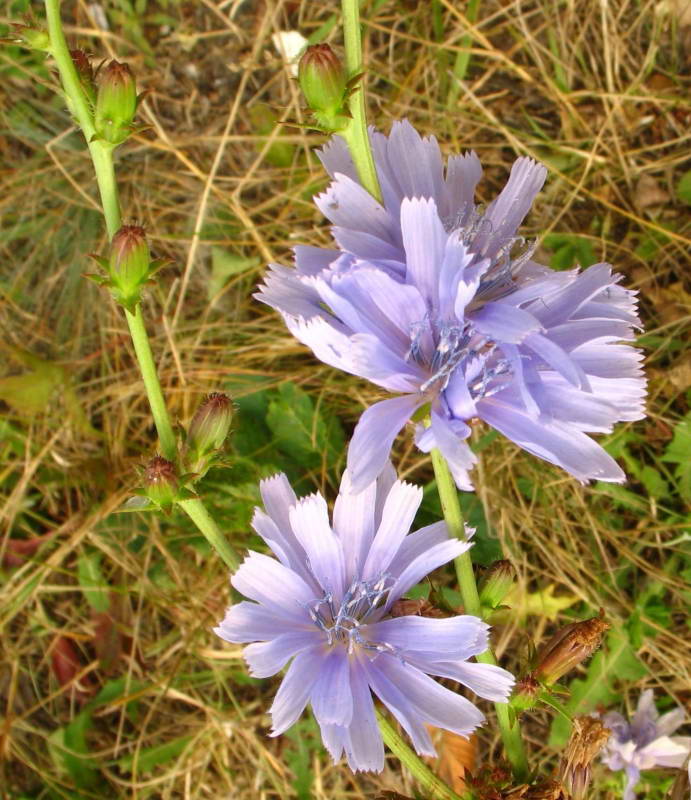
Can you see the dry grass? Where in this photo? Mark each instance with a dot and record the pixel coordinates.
(597, 90)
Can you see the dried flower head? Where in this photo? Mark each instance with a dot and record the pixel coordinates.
(587, 738)
(569, 647)
(326, 604)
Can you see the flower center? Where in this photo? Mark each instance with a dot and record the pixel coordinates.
(442, 347)
(342, 622)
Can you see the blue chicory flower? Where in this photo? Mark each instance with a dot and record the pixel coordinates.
(426, 298)
(326, 603)
(645, 742)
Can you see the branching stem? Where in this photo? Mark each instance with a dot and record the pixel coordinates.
(102, 157)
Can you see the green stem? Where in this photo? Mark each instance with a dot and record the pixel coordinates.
(434, 788)
(102, 157)
(80, 107)
(355, 134)
(453, 515)
(147, 367)
(197, 512)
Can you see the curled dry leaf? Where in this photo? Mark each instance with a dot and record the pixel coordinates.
(66, 664)
(457, 757)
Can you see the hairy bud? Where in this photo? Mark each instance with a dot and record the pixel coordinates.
(116, 103)
(526, 694)
(129, 263)
(323, 82)
(33, 38)
(211, 423)
(497, 583)
(568, 648)
(161, 482)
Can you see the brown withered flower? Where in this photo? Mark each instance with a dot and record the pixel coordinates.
(588, 737)
(569, 647)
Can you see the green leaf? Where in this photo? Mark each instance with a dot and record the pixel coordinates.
(617, 661)
(94, 585)
(684, 188)
(677, 452)
(69, 751)
(569, 250)
(654, 483)
(309, 436)
(150, 757)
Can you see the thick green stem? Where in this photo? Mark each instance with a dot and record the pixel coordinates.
(355, 134)
(102, 157)
(145, 357)
(433, 788)
(453, 515)
(197, 512)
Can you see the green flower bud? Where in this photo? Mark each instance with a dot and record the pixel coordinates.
(116, 103)
(526, 694)
(497, 583)
(161, 482)
(129, 265)
(210, 425)
(569, 647)
(323, 82)
(27, 36)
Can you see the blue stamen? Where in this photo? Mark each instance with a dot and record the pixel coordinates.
(342, 625)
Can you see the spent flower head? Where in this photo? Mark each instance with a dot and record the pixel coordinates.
(645, 742)
(325, 606)
(569, 647)
(441, 303)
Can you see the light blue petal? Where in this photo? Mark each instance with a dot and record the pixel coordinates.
(267, 658)
(309, 519)
(331, 696)
(373, 436)
(295, 689)
(400, 508)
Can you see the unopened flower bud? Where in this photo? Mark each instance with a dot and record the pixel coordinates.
(161, 482)
(129, 262)
(497, 583)
(211, 423)
(116, 103)
(568, 648)
(85, 72)
(526, 694)
(28, 36)
(588, 737)
(323, 82)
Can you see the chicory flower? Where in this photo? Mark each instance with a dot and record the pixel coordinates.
(645, 742)
(326, 606)
(426, 298)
